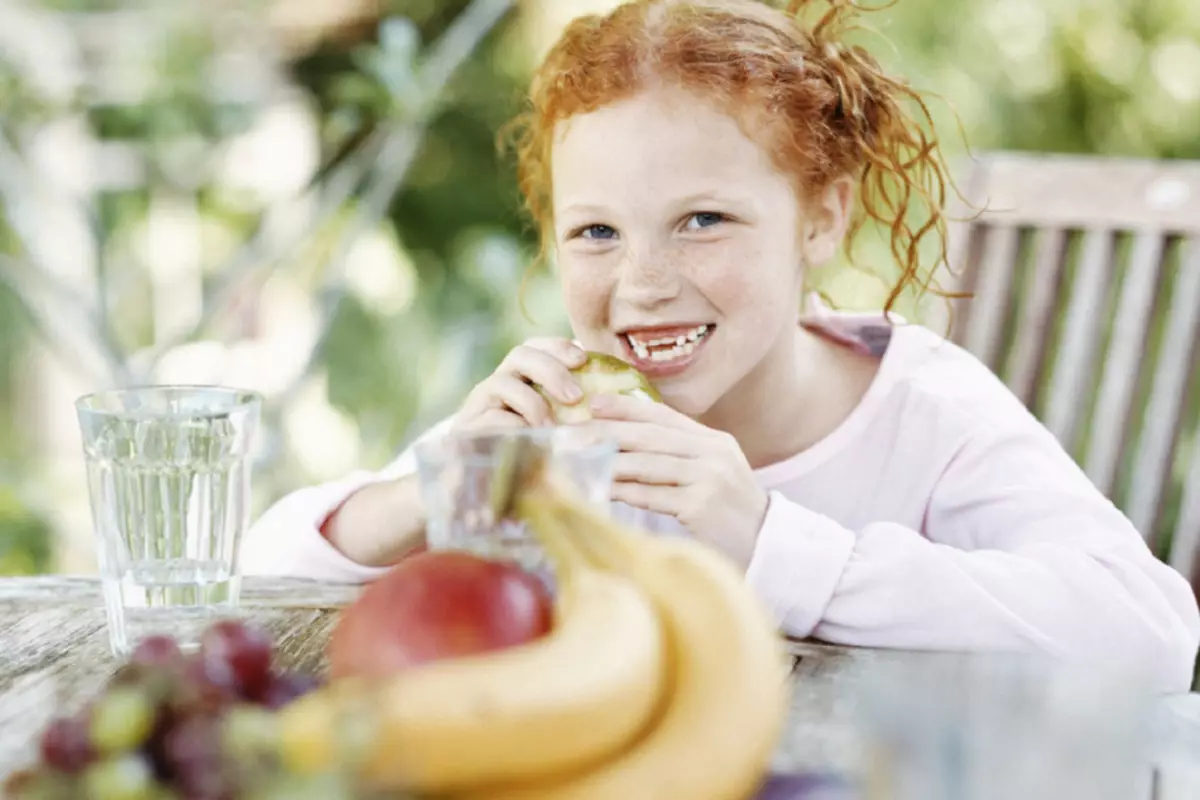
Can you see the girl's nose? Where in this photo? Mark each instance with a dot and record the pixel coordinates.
(648, 280)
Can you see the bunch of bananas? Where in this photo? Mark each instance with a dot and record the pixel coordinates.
(663, 678)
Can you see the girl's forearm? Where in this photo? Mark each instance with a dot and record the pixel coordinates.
(379, 524)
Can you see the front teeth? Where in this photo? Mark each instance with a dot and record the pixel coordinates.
(680, 345)
(673, 353)
(679, 341)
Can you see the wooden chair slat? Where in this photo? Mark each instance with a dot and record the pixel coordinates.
(1163, 413)
(992, 292)
(1075, 358)
(964, 242)
(962, 279)
(1123, 360)
(1084, 192)
(1186, 540)
(1035, 314)
(961, 225)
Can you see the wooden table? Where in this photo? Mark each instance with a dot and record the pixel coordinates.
(54, 653)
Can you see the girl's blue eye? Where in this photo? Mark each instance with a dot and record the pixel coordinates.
(705, 219)
(597, 232)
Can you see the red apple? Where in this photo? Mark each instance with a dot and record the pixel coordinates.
(437, 605)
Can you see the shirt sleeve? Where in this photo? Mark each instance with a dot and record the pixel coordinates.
(1019, 552)
(287, 540)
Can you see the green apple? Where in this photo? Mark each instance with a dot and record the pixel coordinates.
(601, 374)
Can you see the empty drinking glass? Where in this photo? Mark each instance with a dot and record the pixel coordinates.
(459, 473)
(169, 484)
(997, 727)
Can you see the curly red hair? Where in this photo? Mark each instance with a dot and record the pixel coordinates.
(821, 108)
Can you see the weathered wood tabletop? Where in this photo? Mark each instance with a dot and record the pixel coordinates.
(54, 654)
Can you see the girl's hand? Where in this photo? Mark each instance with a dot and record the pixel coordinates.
(671, 464)
(506, 398)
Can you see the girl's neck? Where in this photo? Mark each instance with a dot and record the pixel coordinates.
(797, 395)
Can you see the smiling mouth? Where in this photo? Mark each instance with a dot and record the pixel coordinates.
(656, 348)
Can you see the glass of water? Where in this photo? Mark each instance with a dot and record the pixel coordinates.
(169, 484)
(459, 472)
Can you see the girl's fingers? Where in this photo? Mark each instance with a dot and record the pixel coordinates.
(639, 409)
(494, 419)
(649, 437)
(537, 366)
(648, 497)
(652, 468)
(510, 393)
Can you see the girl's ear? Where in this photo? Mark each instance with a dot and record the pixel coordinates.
(827, 219)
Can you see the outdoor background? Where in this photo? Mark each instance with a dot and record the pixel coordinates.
(303, 197)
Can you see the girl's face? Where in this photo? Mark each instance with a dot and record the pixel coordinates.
(680, 245)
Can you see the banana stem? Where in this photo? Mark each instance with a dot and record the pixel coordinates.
(503, 478)
(519, 463)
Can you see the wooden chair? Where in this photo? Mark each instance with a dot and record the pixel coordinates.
(1086, 281)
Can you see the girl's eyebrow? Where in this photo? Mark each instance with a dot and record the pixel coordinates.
(712, 195)
(584, 208)
(695, 198)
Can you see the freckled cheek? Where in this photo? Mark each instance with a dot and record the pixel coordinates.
(736, 283)
(727, 290)
(587, 295)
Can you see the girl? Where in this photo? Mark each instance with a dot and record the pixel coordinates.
(687, 162)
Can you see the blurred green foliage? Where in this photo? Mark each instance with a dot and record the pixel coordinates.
(458, 220)
(1114, 77)
(24, 533)
(1080, 76)
(1105, 77)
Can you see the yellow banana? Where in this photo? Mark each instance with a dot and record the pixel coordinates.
(568, 700)
(727, 701)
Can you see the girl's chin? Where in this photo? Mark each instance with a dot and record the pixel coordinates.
(687, 398)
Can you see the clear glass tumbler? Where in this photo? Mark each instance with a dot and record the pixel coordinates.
(169, 484)
(998, 727)
(457, 477)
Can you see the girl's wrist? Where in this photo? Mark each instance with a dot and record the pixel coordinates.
(742, 548)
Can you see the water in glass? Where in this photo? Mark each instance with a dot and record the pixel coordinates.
(169, 485)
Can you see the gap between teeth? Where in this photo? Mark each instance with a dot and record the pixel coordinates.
(682, 345)
(667, 355)
(679, 341)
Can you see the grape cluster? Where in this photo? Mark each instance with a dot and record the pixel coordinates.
(170, 726)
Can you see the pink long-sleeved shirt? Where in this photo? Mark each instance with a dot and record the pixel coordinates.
(940, 515)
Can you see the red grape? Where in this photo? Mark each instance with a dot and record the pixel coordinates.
(191, 696)
(285, 687)
(130, 674)
(193, 727)
(156, 650)
(193, 755)
(66, 745)
(237, 655)
(208, 683)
